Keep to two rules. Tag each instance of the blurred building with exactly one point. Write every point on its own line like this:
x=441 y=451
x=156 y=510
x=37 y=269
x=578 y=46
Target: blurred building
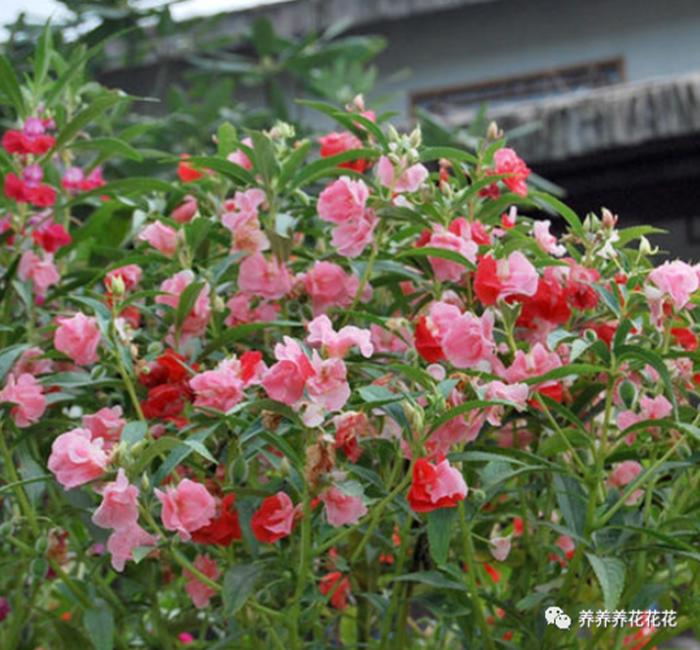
x=612 y=87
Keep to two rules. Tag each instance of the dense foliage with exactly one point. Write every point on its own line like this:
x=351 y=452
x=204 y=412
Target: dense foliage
x=353 y=398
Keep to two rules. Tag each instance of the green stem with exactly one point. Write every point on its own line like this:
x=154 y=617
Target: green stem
x=303 y=570
x=477 y=605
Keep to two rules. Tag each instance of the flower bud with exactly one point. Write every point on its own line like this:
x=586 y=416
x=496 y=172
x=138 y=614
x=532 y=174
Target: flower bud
x=117 y=286
x=645 y=247
x=609 y=219
x=493 y=132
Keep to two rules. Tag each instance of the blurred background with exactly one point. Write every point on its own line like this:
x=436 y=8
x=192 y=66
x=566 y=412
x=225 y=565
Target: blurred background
x=601 y=98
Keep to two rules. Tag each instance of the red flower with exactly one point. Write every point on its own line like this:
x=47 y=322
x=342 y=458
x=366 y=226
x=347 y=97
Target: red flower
x=426 y=344
x=548 y=304
x=274 y=519
x=338 y=586
x=165 y=402
x=51 y=237
x=167 y=368
x=20 y=143
x=435 y=486
x=186 y=172
x=494 y=573
x=224 y=528
x=249 y=362
x=487 y=285
x=42 y=196
x=685 y=338
x=333 y=144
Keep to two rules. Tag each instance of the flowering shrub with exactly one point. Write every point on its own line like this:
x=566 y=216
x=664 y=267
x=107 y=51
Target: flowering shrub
x=349 y=399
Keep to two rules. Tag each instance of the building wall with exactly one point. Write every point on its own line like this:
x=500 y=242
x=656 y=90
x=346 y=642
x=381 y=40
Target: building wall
x=510 y=37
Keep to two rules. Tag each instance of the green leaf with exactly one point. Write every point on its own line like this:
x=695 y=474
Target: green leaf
x=196 y=231
x=42 y=56
x=180 y=452
x=443 y=253
x=432 y=579
x=199 y=447
x=82 y=119
x=99 y=625
x=611 y=576
x=294 y=162
x=134 y=432
x=239 y=584
x=187 y=299
x=10 y=86
x=564 y=210
x=263 y=156
x=109 y=147
x=440 y=523
x=226 y=139
x=655 y=361
x=572 y=502
x=330 y=166
x=225 y=167
x=244 y=331
x=8 y=356
x=435 y=153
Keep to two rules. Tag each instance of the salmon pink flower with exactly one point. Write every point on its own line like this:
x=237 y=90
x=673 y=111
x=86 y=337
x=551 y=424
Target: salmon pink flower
x=499 y=279
x=199 y=592
x=130 y=275
x=123 y=541
x=76 y=458
x=27 y=395
x=516 y=394
x=186 y=211
x=506 y=161
x=197 y=319
x=333 y=144
x=107 y=423
x=78 y=338
x=341 y=508
x=220 y=389
x=285 y=380
x=239 y=157
x=402 y=177
x=435 y=486
x=119 y=508
x=31 y=361
x=163 y=238
x=545 y=240
x=337 y=344
x=241 y=311
x=269 y=279
x=186 y=508
x=328 y=285
x=352 y=237
x=350 y=426
x=274 y=519
x=676 y=279
x=328 y=386
x=469 y=343
x=447 y=270
x=41 y=271
x=342 y=201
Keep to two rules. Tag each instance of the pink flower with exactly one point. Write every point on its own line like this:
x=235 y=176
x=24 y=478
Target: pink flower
x=538 y=361
x=337 y=344
x=500 y=548
x=186 y=508
x=240 y=311
x=185 y=638
x=353 y=236
x=677 y=279
x=401 y=178
x=463 y=428
x=435 y=486
x=220 y=389
x=163 y=238
x=506 y=161
x=185 y=212
x=30 y=361
x=27 y=394
x=498 y=279
x=386 y=341
x=342 y=201
x=497 y=390
x=199 y=592
x=196 y=321
x=266 y=278
x=655 y=408
x=78 y=338
x=40 y=271
x=624 y=473
x=240 y=158
x=328 y=386
x=107 y=423
x=77 y=459
x=545 y=240
x=469 y=343
x=123 y=541
x=329 y=285
x=447 y=270
x=284 y=381
x=243 y=222
x=342 y=509
x=119 y=508
x=130 y=275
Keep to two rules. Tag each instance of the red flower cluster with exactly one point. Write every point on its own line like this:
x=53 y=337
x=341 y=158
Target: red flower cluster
x=51 y=237
x=223 y=529
x=22 y=191
x=32 y=139
x=168 y=390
